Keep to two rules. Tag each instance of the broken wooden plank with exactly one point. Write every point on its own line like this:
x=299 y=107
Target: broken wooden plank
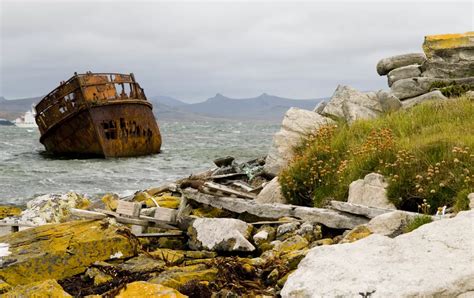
x=243 y=185
x=87 y=213
x=125 y=220
x=369 y=212
x=228 y=190
x=165 y=214
x=16 y=224
x=225 y=176
x=131 y=209
x=330 y=218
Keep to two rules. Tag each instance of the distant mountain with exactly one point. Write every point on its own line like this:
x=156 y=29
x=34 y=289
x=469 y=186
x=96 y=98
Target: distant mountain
x=11 y=109
x=169 y=101
x=263 y=107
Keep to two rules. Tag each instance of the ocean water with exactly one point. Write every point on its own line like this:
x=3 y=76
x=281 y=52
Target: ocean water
x=188 y=147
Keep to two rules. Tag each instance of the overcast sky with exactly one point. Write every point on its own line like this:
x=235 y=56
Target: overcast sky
x=193 y=50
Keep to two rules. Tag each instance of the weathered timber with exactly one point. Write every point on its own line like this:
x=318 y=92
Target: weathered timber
x=161 y=189
x=141 y=221
x=87 y=214
x=170 y=234
x=369 y=212
x=327 y=217
x=228 y=190
x=131 y=209
x=243 y=185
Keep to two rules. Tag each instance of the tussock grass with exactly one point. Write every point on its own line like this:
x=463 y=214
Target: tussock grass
x=417 y=222
x=426 y=152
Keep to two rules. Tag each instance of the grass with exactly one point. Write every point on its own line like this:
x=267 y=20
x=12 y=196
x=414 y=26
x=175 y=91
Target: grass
x=426 y=153
x=417 y=222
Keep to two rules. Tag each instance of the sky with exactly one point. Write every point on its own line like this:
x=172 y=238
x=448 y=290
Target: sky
x=193 y=50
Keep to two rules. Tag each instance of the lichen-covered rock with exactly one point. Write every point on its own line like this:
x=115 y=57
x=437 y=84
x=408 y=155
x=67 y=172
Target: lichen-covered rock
x=143 y=263
x=4 y=287
x=358 y=233
x=310 y=231
x=296 y=124
x=370 y=191
x=271 y=193
x=435 y=260
x=52 y=208
x=98 y=276
x=385 y=65
x=405 y=72
x=111 y=201
x=265 y=234
x=170 y=256
x=443 y=69
x=46 y=288
x=6 y=211
x=291 y=244
x=220 y=234
x=452 y=47
x=164 y=201
x=146 y=289
x=388 y=101
x=178 y=276
x=58 y=251
x=287 y=230
x=390 y=224
x=430 y=96
x=350 y=104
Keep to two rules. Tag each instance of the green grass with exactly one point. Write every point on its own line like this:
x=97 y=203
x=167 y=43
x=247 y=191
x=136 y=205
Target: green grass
x=417 y=222
x=426 y=153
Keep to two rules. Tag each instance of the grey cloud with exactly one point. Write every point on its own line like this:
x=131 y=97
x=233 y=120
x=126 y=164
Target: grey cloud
x=192 y=50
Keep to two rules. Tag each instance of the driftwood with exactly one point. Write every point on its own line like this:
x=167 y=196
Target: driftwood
x=228 y=190
x=369 y=212
x=169 y=234
x=327 y=217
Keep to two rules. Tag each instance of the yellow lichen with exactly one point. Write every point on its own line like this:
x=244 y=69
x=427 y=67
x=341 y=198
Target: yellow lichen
x=6 y=211
x=145 y=289
x=357 y=233
x=46 y=288
x=434 y=43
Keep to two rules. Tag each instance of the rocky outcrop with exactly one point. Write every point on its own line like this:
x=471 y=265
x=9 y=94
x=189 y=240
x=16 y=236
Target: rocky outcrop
x=433 y=95
x=60 y=250
x=370 y=191
x=271 y=193
x=220 y=234
x=388 y=101
x=145 y=289
x=390 y=224
x=46 y=288
x=296 y=124
x=470 y=197
x=387 y=64
x=351 y=104
x=434 y=260
x=450 y=62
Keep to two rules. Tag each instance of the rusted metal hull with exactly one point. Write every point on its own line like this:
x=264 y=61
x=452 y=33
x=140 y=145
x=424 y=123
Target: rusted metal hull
x=112 y=129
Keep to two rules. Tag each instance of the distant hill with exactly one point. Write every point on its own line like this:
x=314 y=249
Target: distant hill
x=264 y=107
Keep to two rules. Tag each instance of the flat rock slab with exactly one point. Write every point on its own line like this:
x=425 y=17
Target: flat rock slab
x=385 y=65
x=434 y=260
x=369 y=212
x=330 y=218
x=56 y=251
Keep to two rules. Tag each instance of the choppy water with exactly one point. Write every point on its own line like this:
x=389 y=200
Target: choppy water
x=26 y=172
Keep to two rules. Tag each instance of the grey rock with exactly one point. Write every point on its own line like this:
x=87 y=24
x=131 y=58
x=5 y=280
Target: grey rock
x=296 y=124
x=271 y=193
x=388 y=101
x=351 y=104
x=287 y=228
x=470 y=94
x=433 y=95
x=370 y=191
x=391 y=224
x=385 y=65
x=408 y=88
x=320 y=107
x=405 y=72
x=357 y=209
x=220 y=234
x=471 y=200
x=442 y=69
x=327 y=217
x=435 y=260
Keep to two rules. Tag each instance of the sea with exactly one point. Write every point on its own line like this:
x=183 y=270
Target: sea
x=27 y=171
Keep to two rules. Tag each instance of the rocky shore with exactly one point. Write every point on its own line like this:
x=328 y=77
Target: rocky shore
x=230 y=232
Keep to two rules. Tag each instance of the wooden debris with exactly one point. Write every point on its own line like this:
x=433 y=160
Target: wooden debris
x=228 y=190
x=165 y=214
x=273 y=222
x=369 y=212
x=131 y=209
x=87 y=214
x=327 y=217
x=226 y=176
x=243 y=185
x=157 y=190
x=168 y=234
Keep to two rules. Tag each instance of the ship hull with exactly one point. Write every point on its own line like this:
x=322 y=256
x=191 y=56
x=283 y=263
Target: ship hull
x=114 y=129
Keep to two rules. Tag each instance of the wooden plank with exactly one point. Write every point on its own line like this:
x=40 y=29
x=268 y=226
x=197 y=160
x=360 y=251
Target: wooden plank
x=87 y=214
x=16 y=224
x=243 y=185
x=131 y=209
x=125 y=220
x=328 y=217
x=225 y=176
x=225 y=189
x=170 y=234
x=165 y=214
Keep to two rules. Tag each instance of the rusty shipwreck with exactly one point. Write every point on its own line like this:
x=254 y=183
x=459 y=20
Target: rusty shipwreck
x=98 y=114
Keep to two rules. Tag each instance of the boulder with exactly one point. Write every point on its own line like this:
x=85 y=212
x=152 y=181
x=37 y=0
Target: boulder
x=370 y=191
x=387 y=64
x=271 y=193
x=470 y=94
x=146 y=289
x=408 y=88
x=442 y=69
x=57 y=251
x=220 y=234
x=178 y=276
x=433 y=95
x=405 y=72
x=391 y=224
x=356 y=234
x=46 y=288
x=388 y=101
x=287 y=228
x=434 y=260
x=351 y=104
x=450 y=47
x=296 y=124
x=320 y=107
x=471 y=200
x=51 y=208
x=264 y=235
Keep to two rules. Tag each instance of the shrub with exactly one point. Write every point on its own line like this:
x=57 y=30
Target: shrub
x=451 y=89
x=417 y=222
x=425 y=153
